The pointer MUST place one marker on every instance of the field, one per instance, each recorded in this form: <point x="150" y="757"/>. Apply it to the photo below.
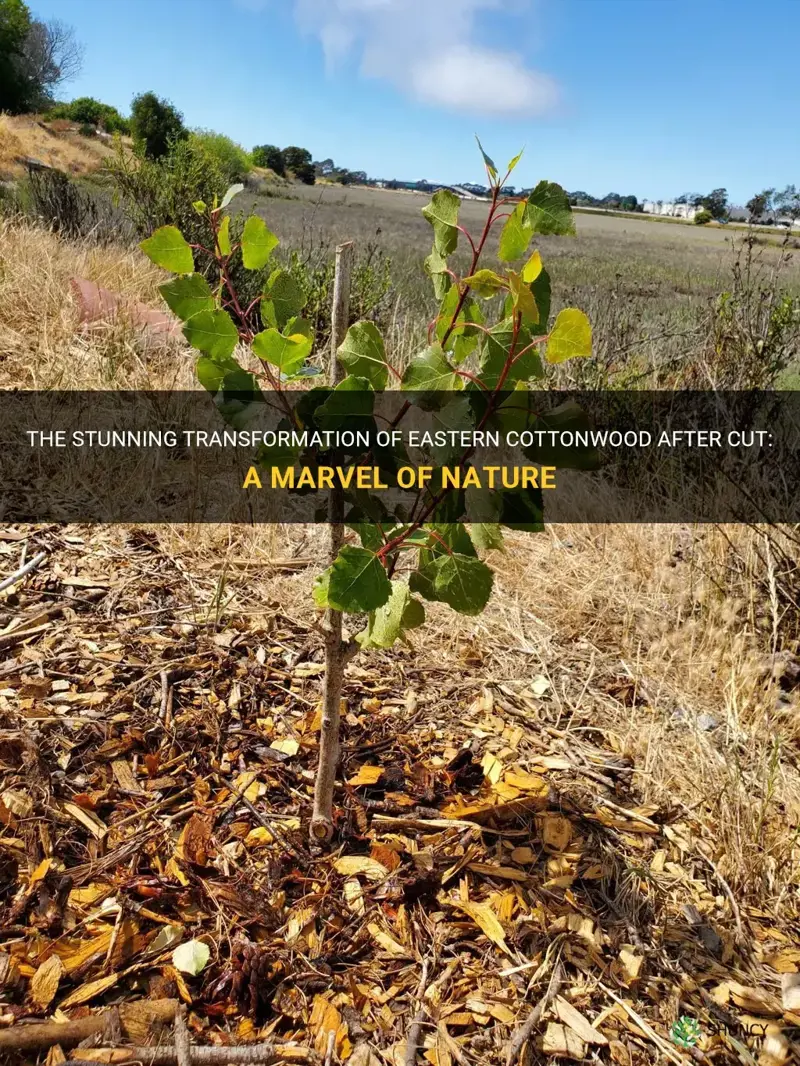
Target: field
<point x="626" y="814"/>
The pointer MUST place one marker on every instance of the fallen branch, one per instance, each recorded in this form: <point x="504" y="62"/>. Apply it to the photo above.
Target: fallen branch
<point x="45" y="1034"/>
<point x="32" y="564"/>
<point x="244" y="1055"/>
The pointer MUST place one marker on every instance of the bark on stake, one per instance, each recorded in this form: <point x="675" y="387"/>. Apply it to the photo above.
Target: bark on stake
<point x="335" y="649"/>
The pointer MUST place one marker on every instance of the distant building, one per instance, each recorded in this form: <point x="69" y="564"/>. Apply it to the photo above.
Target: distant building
<point x="670" y="210"/>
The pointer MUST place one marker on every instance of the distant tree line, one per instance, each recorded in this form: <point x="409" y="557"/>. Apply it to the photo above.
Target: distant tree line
<point x="770" y="205"/>
<point x="611" y="201"/>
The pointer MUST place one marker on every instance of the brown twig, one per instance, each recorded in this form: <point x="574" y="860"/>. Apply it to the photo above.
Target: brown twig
<point x="524" y="1032"/>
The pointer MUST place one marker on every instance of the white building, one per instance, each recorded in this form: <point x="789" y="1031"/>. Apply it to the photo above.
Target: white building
<point x="670" y="210"/>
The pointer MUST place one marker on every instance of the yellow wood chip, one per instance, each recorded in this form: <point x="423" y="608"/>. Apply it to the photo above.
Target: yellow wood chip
<point x="44" y="982"/>
<point x="288" y="745"/>
<point x="352" y="865"/>
<point x="562" y="1042"/>
<point x="90" y="821"/>
<point x="486" y="920"/>
<point x="88" y="991"/>
<point x="386" y="942"/>
<point x="577" y="1023"/>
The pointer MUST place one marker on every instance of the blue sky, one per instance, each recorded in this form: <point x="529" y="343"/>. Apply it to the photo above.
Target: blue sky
<point x="650" y="97"/>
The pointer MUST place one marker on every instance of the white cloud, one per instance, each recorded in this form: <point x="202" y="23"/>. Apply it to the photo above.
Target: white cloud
<point x="430" y="49"/>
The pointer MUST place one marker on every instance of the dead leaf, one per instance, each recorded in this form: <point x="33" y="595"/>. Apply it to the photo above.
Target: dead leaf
<point x="367" y="775"/>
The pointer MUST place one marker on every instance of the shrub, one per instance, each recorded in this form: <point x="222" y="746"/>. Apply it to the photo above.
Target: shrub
<point x="52" y="198"/>
<point x="702" y="218"/>
<point x="160" y="192"/>
<point x="313" y="269"/>
<point x="268" y="155"/>
<point x="155" y="125"/>
<point x="91" y="112"/>
<point x="229" y="156"/>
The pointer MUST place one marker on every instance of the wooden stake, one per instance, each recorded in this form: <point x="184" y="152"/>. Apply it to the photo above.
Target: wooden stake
<point x="321" y="829"/>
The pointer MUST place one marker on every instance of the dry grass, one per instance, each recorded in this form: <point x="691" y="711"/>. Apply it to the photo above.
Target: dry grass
<point x="29" y="137"/>
<point x="42" y="342"/>
<point x="640" y="631"/>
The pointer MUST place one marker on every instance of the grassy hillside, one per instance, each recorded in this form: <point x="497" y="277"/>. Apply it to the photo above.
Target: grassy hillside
<point x="57" y="143"/>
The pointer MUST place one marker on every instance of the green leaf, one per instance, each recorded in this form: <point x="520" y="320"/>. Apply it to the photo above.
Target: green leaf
<point x="495" y="352"/>
<point x="350" y="404"/>
<point x="532" y="269"/>
<point x="486" y="283"/>
<point x="368" y="534"/>
<point x="436" y="268"/>
<point x="430" y="371"/>
<point x="212" y="332"/>
<point x="487" y="536"/>
<point x="282" y="299"/>
<point x="319" y="592"/>
<point x="362" y="353"/>
<point x="516" y="234"/>
<point x="224" y="236"/>
<point x="386" y="625"/>
<point x="548" y="210"/>
<point x="232" y="191"/>
<point x="199" y="206"/>
<point x="541" y="293"/>
<point x="523" y="299"/>
<point x="187" y="295"/>
<point x="191" y="957"/>
<point x="570" y="337"/>
<point x="223" y="372"/>
<point x="288" y="353"/>
<point x="463" y="336"/>
<point x="357" y="581"/>
<point x="462" y="581"/>
<point x="523" y="510"/>
<point x="258" y="244"/>
<point x="447" y="537"/>
<point x="167" y="248"/>
<point x="490" y="167"/>
<point x="512" y="165"/>
<point x="442" y="213"/>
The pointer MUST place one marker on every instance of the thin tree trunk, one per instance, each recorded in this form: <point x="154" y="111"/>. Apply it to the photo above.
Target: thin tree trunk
<point x="335" y="649"/>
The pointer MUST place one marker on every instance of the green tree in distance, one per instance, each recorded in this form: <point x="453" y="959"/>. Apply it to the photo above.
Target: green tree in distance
<point x="155" y="125"/>
<point x="433" y="550"/>
<point x="269" y="155"/>
<point x="298" y="161"/>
